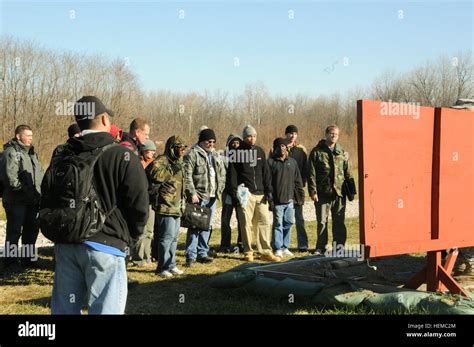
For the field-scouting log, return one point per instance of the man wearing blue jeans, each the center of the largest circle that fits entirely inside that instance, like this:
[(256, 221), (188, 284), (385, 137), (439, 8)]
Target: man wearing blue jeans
[(287, 188), (92, 274), (166, 178), (283, 220), (197, 240), (204, 181), (88, 276)]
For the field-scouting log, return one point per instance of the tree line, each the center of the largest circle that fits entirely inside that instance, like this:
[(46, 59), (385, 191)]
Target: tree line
[(40, 85)]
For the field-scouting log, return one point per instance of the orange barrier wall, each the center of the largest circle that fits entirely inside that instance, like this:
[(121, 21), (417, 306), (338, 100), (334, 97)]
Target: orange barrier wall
[(407, 181)]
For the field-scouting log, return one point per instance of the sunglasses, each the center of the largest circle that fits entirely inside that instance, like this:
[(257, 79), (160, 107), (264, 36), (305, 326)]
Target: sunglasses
[(211, 141)]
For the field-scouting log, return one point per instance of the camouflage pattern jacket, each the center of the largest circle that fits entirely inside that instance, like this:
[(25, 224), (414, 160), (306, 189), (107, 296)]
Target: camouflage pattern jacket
[(165, 175), (327, 170)]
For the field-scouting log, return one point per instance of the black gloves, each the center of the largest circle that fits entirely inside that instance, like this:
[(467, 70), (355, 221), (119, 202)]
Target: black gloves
[(268, 197)]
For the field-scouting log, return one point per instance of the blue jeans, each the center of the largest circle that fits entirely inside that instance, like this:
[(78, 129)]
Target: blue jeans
[(300, 228), (197, 240), (166, 241), (283, 220), (22, 221), (85, 277)]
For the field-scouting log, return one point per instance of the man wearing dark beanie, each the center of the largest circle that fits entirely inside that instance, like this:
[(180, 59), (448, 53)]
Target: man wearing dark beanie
[(298, 153), (204, 181), (207, 134)]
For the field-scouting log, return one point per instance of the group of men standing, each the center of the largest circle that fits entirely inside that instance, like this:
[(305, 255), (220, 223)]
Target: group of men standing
[(143, 197)]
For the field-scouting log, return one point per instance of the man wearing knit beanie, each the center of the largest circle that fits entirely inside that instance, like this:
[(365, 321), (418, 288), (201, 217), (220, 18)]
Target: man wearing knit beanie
[(207, 134), (204, 181), (299, 153), (249, 131), (255, 214), (286, 183)]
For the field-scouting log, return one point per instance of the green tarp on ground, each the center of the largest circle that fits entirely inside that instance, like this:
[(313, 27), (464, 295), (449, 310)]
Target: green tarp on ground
[(346, 294)]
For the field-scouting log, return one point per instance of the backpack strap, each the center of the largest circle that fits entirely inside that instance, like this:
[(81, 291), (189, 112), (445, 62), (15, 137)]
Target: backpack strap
[(101, 151)]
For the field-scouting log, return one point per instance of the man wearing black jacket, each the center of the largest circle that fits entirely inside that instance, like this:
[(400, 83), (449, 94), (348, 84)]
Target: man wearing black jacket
[(287, 191), (299, 153), (251, 170), (93, 273)]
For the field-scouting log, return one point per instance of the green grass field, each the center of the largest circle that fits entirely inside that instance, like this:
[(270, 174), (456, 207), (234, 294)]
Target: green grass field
[(29, 292), (2, 212)]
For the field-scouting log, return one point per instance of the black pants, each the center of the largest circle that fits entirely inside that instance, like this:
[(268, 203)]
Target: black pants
[(226, 231), (22, 221)]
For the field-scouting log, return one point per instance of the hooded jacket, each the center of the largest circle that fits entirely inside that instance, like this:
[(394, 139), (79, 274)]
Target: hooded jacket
[(21, 173), (120, 181), (286, 180), (130, 143), (166, 172)]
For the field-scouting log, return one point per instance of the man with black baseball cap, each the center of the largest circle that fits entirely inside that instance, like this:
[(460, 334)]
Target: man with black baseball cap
[(94, 271), (89, 107)]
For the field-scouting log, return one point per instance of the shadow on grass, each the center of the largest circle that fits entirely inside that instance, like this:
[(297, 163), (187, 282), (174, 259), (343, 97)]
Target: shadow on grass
[(40, 274)]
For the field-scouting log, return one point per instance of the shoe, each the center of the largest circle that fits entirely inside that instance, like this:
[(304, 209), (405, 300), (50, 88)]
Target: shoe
[(270, 257), (249, 257), (176, 271), (279, 253), (236, 250), (463, 268), (165, 274), (318, 253), (146, 265), (190, 262), (205, 260), (286, 253), (212, 253), (302, 250)]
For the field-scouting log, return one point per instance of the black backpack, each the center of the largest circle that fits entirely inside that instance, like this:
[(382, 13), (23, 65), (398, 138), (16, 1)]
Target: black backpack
[(70, 209)]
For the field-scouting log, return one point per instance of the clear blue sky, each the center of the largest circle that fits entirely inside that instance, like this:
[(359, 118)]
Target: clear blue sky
[(288, 55)]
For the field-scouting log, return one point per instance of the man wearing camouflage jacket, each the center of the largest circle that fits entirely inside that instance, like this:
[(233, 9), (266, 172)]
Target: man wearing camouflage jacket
[(166, 178), (328, 167)]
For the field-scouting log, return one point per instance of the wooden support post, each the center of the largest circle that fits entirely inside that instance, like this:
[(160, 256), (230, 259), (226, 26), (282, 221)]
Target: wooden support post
[(436, 276)]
